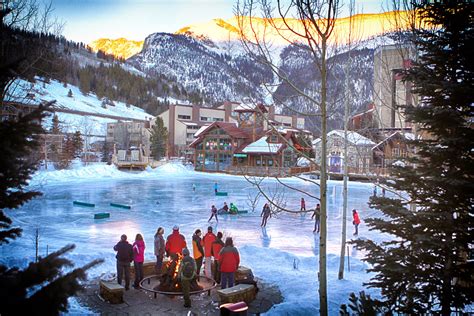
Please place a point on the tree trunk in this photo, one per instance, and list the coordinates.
(323, 307)
(344, 206)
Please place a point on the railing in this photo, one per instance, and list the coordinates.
(268, 171)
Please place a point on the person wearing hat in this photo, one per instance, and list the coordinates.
(175, 242)
(124, 257)
(186, 273)
(207, 241)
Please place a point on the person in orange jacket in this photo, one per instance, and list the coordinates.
(355, 221)
(217, 245)
(207, 241)
(229, 260)
(175, 242)
(198, 252)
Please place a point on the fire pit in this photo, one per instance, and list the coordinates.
(168, 283)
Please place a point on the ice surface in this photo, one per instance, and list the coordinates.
(164, 197)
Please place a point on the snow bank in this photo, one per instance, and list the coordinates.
(296, 277)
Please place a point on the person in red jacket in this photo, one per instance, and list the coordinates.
(217, 245)
(207, 241)
(303, 205)
(229, 260)
(355, 221)
(175, 242)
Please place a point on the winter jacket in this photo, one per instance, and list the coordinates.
(159, 245)
(124, 251)
(316, 214)
(229, 259)
(356, 218)
(139, 251)
(217, 245)
(303, 204)
(207, 241)
(180, 271)
(198, 252)
(175, 243)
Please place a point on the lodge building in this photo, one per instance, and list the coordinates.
(252, 145)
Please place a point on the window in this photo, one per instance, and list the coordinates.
(184, 117)
(193, 127)
(270, 162)
(217, 119)
(205, 118)
(258, 162)
(273, 138)
(189, 135)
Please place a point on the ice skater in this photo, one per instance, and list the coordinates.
(194, 187)
(317, 217)
(355, 221)
(216, 187)
(303, 205)
(213, 213)
(266, 213)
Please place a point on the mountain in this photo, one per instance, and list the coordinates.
(120, 47)
(217, 71)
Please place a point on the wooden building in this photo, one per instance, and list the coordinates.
(251, 147)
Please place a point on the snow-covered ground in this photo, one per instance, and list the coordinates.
(54, 90)
(285, 253)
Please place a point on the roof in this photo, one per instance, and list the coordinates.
(230, 128)
(352, 137)
(251, 107)
(406, 136)
(261, 146)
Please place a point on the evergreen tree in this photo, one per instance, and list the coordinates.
(42, 287)
(105, 152)
(159, 139)
(424, 267)
(55, 129)
(78, 143)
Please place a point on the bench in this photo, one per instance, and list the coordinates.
(111, 292)
(148, 268)
(243, 273)
(238, 293)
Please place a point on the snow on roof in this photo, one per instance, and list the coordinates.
(407, 136)
(251, 107)
(201, 129)
(352, 137)
(188, 123)
(261, 146)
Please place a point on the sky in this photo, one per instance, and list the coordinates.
(88, 20)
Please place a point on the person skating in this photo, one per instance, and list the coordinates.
(186, 273)
(194, 187)
(138, 258)
(213, 213)
(198, 251)
(317, 217)
(159, 249)
(266, 213)
(229, 260)
(124, 257)
(216, 187)
(175, 242)
(217, 245)
(207, 241)
(303, 205)
(355, 221)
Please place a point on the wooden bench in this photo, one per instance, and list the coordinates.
(238, 293)
(243, 273)
(111, 292)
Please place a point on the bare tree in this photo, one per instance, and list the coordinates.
(307, 25)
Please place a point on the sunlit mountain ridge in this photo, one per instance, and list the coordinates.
(364, 26)
(120, 47)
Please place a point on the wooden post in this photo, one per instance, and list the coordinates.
(348, 262)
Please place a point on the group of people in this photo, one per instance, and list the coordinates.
(226, 258)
